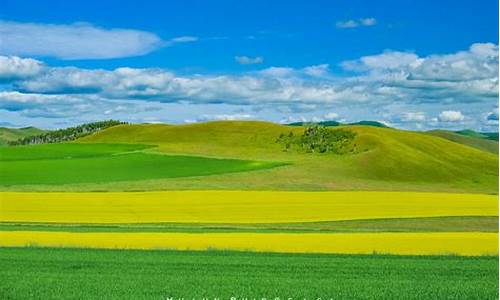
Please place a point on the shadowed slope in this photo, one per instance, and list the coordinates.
(472, 141)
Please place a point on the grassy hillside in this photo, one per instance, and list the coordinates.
(385, 159)
(472, 141)
(484, 135)
(13, 134)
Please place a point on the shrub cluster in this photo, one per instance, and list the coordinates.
(318, 139)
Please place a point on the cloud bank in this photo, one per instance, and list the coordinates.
(398, 87)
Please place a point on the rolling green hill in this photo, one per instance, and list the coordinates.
(383, 159)
(12, 134)
(484, 135)
(469, 140)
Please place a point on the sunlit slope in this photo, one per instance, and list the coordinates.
(383, 158)
(472, 141)
(239, 139)
(411, 156)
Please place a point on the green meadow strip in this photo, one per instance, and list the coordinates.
(433, 224)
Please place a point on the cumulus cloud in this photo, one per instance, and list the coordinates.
(34, 105)
(317, 70)
(420, 86)
(386, 78)
(389, 60)
(78, 41)
(13, 67)
(451, 116)
(246, 60)
(331, 116)
(221, 117)
(413, 117)
(356, 23)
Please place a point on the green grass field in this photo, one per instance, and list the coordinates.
(68, 163)
(426, 224)
(126, 274)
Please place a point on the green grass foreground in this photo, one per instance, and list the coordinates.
(44, 273)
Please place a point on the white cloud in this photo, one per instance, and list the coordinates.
(78, 41)
(413, 117)
(347, 24)
(400, 80)
(246, 60)
(317, 70)
(356, 23)
(389, 60)
(330, 116)
(368, 21)
(222, 117)
(451, 116)
(184, 39)
(14, 67)
(386, 78)
(278, 72)
(294, 119)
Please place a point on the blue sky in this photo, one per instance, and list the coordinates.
(412, 64)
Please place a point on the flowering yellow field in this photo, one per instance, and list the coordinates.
(475, 243)
(237, 206)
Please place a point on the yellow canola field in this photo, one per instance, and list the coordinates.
(474, 243)
(236, 206)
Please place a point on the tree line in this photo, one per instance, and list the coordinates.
(66, 134)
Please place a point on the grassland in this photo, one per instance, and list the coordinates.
(59, 164)
(65, 151)
(383, 159)
(126, 274)
(468, 140)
